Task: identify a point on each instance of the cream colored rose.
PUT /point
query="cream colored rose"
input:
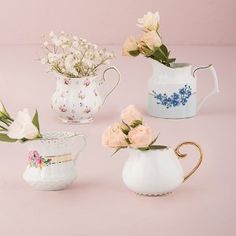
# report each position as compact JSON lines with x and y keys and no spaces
{"x":141,"y":136}
{"x":130,"y":114}
{"x":114,"y":137}
{"x":22,"y":127}
{"x":129,"y":45}
{"x":150,"y":40}
{"x":150,"y":21}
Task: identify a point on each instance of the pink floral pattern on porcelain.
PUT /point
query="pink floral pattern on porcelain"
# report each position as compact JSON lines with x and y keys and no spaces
{"x":35,"y":160}
{"x":76,"y":99}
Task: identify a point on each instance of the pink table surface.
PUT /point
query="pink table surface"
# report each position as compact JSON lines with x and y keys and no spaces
{"x":98,"y":203}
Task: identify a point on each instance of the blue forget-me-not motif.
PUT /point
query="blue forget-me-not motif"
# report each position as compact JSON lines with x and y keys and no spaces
{"x":176,"y":99}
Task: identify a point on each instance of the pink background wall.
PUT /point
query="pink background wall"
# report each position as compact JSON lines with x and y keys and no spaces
{"x":202,"y":22}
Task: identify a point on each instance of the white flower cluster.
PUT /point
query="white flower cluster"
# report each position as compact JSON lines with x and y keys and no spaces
{"x":74,"y":57}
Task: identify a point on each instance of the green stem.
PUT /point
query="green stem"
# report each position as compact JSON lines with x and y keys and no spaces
{"x":5,"y":122}
{"x":3,"y":128}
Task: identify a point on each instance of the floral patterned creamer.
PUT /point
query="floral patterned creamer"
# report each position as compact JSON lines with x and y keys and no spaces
{"x":77,"y":99}
{"x":172,"y":91}
{"x":52,"y":159}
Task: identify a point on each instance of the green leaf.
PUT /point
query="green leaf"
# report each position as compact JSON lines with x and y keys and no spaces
{"x":144,"y":149}
{"x":158,"y":55}
{"x":136,"y":123}
{"x":164,"y":50}
{"x":117,"y":150}
{"x":134,"y":53}
{"x":170,"y":60}
{"x":5,"y":138}
{"x":155,"y":147}
{"x":126,"y":124}
{"x":35,"y":120}
{"x":154,"y":140}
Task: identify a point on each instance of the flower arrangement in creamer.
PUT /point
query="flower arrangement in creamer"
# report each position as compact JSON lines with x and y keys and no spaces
{"x":72,"y":56}
{"x":130,"y":132}
{"x":22,"y":128}
{"x":150,"y":43}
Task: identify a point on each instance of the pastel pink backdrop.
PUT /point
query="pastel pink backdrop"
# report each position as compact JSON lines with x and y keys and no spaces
{"x":111,"y":21}
{"x":98,"y":203}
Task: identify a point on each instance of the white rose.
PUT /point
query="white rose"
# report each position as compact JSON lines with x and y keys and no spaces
{"x":150,"y":21}
{"x":22,"y":127}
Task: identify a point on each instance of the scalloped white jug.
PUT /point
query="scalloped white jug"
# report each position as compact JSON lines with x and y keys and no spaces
{"x":157,"y":172}
{"x":52,"y":160}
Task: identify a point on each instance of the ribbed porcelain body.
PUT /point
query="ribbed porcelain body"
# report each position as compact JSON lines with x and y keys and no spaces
{"x":53,"y":165}
{"x":153,"y":172}
{"x":76,"y":99}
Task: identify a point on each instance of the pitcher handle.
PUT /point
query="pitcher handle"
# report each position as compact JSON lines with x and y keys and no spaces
{"x":182,"y":155}
{"x":82,"y":136}
{"x":117,"y":83}
{"x":216,"y":83}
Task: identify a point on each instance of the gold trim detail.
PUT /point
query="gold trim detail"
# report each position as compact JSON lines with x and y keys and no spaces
{"x":182,"y":155}
{"x":59,"y":158}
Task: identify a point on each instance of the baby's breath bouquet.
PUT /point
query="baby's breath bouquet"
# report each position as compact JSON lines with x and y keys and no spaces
{"x":72,"y":56}
{"x":150,"y":43}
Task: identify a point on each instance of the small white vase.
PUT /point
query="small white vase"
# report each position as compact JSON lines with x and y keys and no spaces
{"x":156,"y":172}
{"x":52,"y":160}
{"x":172,"y":91}
{"x":77,"y":100}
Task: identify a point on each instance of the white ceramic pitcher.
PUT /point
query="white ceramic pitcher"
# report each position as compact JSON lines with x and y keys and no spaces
{"x":52,"y":159}
{"x":172,"y":91}
{"x":77,"y":100}
{"x":157,"y":172}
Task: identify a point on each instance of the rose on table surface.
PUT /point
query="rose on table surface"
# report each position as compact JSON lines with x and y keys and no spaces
{"x":22,"y":128}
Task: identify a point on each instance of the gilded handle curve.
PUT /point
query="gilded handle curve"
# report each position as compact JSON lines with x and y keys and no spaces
{"x":182,"y":155}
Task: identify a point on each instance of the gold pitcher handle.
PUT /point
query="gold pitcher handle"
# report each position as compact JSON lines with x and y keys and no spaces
{"x":182,"y":155}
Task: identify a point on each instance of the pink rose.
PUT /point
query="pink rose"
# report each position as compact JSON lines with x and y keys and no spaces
{"x":141,"y":136}
{"x":114,"y":137}
{"x":130,"y":114}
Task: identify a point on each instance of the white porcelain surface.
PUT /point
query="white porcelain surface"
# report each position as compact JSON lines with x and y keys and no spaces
{"x":153,"y":172}
{"x":77,"y":100}
{"x":172,"y":92}
{"x":55,"y":176}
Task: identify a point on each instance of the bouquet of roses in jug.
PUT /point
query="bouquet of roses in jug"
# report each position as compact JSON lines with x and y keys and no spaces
{"x":130,"y":132}
{"x":22,"y":128}
{"x":72,"y":56}
{"x":150,"y":43}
